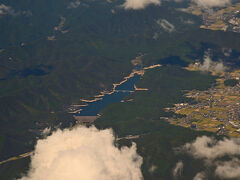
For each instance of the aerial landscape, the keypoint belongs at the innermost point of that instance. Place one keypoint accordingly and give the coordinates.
(120, 90)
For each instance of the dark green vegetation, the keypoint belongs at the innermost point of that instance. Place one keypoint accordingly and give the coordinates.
(40, 78)
(230, 82)
(142, 116)
(166, 87)
(14, 169)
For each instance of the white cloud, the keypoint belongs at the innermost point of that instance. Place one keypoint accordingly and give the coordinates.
(209, 148)
(83, 153)
(74, 4)
(211, 3)
(152, 169)
(166, 25)
(209, 65)
(229, 169)
(206, 63)
(139, 4)
(227, 51)
(46, 131)
(199, 176)
(219, 67)
(188, 21)
(213, 151)
(7, 10)
(177, 171)
(155, 36)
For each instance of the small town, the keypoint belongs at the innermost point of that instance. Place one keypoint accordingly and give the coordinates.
(216, 109)
(225, 19)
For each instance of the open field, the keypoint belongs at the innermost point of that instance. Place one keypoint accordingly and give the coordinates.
(215, 110)
(226, 19)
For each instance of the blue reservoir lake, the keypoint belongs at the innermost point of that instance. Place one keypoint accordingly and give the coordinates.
(117, 95)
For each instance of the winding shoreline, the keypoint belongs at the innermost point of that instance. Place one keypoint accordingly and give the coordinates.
(97, 97)
(140, 72)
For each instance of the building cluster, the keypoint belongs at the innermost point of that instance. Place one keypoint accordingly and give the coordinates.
(226, 19)
(222, 20)
(216, 109)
